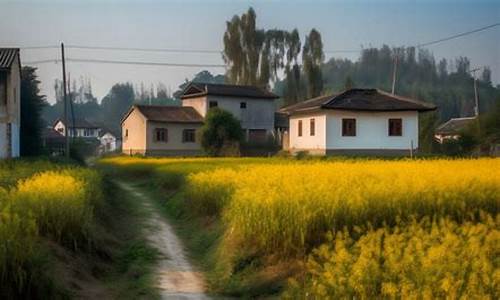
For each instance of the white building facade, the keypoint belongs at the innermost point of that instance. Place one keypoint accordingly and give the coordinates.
(349, 124)
(10, 102)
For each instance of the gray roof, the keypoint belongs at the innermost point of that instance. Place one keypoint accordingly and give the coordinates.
(79, 123)
(196, 89)
(7, 57)
(454, 125)
(171, 114)
(363, 100)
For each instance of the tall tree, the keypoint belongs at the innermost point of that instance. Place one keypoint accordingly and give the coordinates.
(312, 59)
(116, 103)
(32, 104)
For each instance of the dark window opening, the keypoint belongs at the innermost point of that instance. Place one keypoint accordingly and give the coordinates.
(312, 128)
(243, 105)
(161, 135)
(212, 104)
(188, 135)
(348, 127)
(395, 127)
(3, 89)
(300, 127)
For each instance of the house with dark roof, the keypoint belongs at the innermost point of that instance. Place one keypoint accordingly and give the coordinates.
(253, 106)
(356, 121)
(79, 128)
(10, 102)
(171, 130)
(161, 130)
(452, 129)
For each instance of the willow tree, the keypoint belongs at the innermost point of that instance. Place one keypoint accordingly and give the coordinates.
(312, 59)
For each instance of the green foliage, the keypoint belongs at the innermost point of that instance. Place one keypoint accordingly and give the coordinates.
(202, 77)
(221, 133)
(32, 104)
(312, 59)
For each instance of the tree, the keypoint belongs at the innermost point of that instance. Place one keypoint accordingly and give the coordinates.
(312, 59)
(486, 76)
(32, 104)
(221, 133)
(348, 84)
(116, 103)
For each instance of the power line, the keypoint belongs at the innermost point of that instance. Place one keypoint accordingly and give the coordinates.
(104, 61)
(457, 35)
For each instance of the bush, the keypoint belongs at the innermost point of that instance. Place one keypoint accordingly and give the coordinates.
(221, 133)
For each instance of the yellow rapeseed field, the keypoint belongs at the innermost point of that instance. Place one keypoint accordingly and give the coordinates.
(397, 228)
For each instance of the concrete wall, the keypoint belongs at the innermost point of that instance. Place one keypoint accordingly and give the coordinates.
(174, 141)
(135, 124)
(258, 114)
(371, 132)
(11, 114)
(306, 141)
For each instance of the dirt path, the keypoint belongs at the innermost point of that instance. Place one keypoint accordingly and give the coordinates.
(176, 277)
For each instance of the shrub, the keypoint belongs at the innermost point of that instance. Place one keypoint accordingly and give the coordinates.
(221, 133)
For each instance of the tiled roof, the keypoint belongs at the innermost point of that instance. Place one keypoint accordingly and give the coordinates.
(196, 89)
(7, 56)
(361, 99)
(454, 125)
(79, 123)
(174, 114)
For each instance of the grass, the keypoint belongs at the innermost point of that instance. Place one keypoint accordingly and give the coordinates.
(251, 223)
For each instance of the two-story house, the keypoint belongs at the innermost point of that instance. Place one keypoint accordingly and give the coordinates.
(10, 102)
(168, 130)
(80, 128)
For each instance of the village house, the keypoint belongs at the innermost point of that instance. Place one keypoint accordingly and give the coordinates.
(161, 130)
(10, 102)
(253, 106)
(356, 121)
(110, 141)
(452, 129)
(167, 130)
(80, 128)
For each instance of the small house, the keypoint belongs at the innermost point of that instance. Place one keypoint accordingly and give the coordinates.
(161, 130)
(79, 128)
(356, 121)
(110, 141)
(10, 102)
(452, 129)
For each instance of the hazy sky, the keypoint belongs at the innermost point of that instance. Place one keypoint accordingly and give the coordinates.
(344, 25)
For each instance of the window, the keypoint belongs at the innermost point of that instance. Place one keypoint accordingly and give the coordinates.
(126, 132)
(188, 135)
(243, 105)
(3, 89)
(300, 127)
(312, 129)
(161, 135)
(348, 127)
(395, 127)
(212, 104)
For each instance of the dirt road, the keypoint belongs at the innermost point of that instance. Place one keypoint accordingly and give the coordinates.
(176, 277)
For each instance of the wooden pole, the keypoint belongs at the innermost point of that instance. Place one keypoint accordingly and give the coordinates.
(65, 115)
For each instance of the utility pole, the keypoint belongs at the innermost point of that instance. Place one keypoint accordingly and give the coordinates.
(476, 97)
(394, 73)
(65, 115)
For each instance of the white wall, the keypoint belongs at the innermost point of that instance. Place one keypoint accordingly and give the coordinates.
(11, 113)
(174, 141)
(109, 142)
(306, 141)
(371, 130)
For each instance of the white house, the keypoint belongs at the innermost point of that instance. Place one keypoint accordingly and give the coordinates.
(10, 102)
(356, 121)
(110, 142)
(80, 128)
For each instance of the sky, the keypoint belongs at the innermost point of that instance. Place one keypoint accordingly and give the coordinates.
(195, 25)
